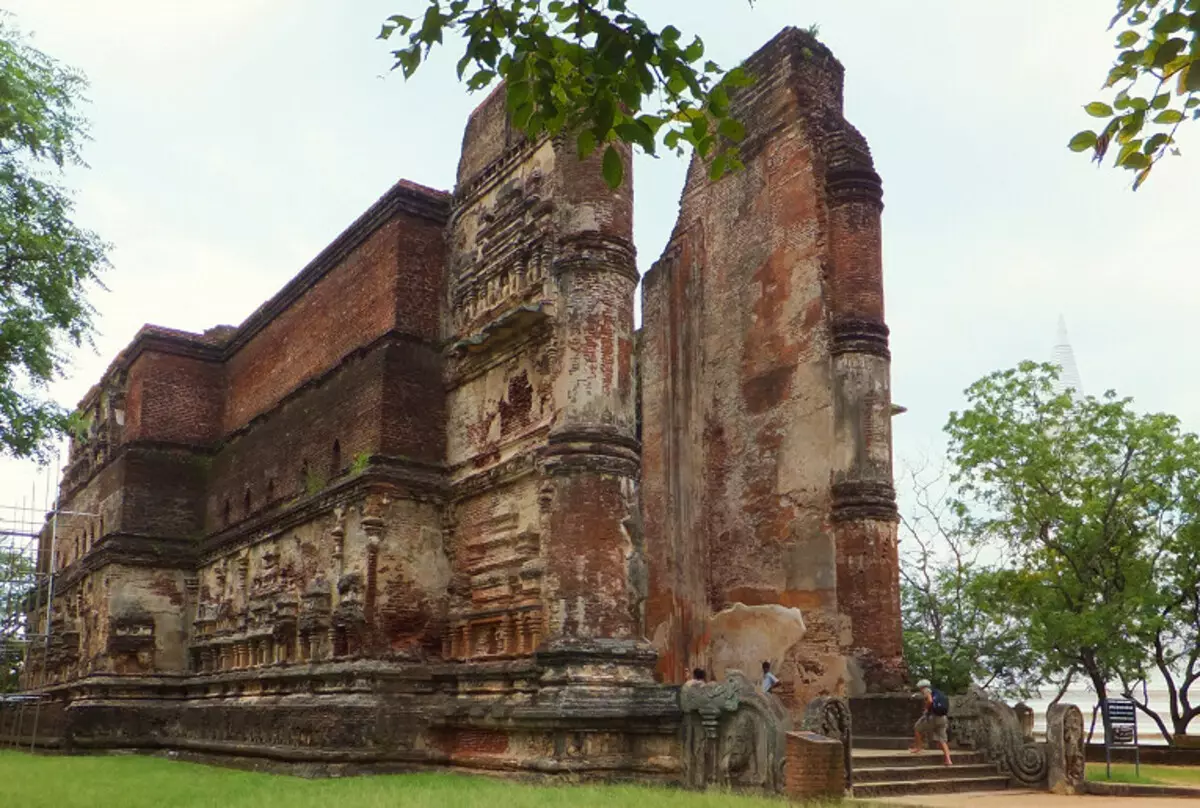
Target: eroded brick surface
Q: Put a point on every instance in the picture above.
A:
(766, 401)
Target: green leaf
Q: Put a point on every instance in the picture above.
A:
(1169, 116)
(634, 132)
(717, 169)
(481, 79)
(1167, 51)
(1135, 160)
(613, 168)
(1170, 23)
(734, 130)
(605, 114)
(1189, 78)
(1082, 141)
(586, 144)
(1161, 101)
(1098, 109)
(1155, 142)
(1128, 38)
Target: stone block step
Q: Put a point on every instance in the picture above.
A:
(896, 788)
(887, 758)
(865, 775)
(880, 742)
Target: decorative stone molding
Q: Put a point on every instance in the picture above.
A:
(860, 336)
(734, 736)
(830, 716)
(591, 449)
(993, 728)
(864, 499)
(1065, 749)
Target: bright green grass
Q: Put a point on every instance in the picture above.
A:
(31, 781)
(1150, 775)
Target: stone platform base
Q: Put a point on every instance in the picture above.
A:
(589, 711)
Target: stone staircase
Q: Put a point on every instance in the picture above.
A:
(883, 767)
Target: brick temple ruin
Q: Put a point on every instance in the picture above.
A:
(437, 502)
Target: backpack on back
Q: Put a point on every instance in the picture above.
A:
(940, 705)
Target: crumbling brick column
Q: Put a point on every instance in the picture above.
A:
(592, 586)
(864, 500)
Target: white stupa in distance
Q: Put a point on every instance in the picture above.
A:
(1064, 357)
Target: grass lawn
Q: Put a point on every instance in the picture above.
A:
(1150, 775)
(32, 781)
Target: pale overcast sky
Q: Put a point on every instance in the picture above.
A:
(233, 139)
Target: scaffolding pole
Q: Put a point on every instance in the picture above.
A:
(28, 579)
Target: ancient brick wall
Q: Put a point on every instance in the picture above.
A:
(174, 399)
(199, 441)
(384, 274)
(814, 769)
(765, 403)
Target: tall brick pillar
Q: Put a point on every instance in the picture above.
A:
(593, 581)
(864, 500)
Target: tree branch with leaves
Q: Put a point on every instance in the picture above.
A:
(47, 263)
(593, 70)
(1155, 82)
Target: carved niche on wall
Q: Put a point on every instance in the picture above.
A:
(510, 256)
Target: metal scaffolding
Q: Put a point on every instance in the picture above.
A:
(28, 547)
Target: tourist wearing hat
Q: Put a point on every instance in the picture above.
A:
(934, 721)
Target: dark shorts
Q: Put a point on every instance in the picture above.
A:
(933, 728)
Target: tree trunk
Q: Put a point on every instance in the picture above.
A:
(1101, 686)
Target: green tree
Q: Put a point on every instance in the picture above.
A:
(1154, 84)
(1175, 630)
(16, 579)
(47, 263)
(949, 637)
(1089, 506)
(593, 69)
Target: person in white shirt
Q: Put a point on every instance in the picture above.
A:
(769, 680)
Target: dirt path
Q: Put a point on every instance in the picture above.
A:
(1032, 799)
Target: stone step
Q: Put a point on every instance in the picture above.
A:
(880, 742)
(866, 775)
(947, 785)
(886, 758)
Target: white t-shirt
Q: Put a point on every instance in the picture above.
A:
(769, 681)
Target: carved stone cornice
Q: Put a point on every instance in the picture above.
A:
(594, 251)
(408, 479)
(855, 500)
(860, 336)
(853, 184)
(129, 549)
(575, 449)
(504, 472)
